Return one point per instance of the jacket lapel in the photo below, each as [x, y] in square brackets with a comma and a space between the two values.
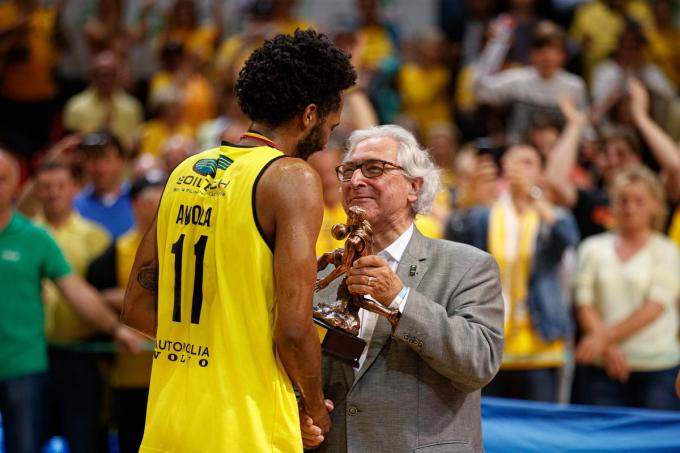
[410, 270]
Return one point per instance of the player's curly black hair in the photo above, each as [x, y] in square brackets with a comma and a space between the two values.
[290, 72]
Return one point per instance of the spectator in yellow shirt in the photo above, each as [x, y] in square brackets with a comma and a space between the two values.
[424, 84]
[27, 61]
[168, 107]
[74, 378]
[181, 71]
[104, 105]
[597, 26]
[182, 26]
[662, 40]
[379, 42]
[283, 17]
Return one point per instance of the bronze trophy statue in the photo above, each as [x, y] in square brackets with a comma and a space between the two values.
[338, 320]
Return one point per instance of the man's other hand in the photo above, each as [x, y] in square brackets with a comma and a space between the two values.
[313, 434]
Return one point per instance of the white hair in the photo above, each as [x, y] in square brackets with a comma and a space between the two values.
[415, 160]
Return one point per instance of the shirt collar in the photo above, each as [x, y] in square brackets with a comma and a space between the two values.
[108, 201]
[396, 249]
[13, 219]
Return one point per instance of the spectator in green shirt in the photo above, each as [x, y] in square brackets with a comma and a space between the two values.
[27, 255]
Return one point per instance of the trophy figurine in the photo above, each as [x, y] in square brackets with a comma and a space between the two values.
[338, 320]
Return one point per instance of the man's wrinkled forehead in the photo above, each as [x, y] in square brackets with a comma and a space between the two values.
[382, 148]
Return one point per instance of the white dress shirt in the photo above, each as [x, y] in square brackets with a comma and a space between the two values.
[367, 319]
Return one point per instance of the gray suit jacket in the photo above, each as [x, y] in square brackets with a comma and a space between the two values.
[418, 390]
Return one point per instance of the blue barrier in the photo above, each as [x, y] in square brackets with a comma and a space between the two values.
[523, 426]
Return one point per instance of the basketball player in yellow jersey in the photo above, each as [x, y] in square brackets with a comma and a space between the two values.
[233, 251]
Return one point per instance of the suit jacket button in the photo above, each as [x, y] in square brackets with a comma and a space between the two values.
[352, 410]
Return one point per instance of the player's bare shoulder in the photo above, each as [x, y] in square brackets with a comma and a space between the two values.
[288, 187]
[291, 178]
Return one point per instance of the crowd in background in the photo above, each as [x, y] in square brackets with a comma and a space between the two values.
[555, 124]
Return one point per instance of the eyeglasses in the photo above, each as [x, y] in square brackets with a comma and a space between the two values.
[371, 168]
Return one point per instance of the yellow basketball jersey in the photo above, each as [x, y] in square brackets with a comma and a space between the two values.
[217, 384]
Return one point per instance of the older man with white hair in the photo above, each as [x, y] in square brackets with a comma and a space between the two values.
[418, 384]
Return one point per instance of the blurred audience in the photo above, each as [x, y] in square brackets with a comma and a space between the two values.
[107, 31]
[610, 77]
[325, 163]
[524, 18]
[442, 143]
[527, 234]
[167, 108]
[662, 39]
[109, 273]
[284, 18]
[106, 197]
[235, 49]
[626, 296]
[183, 26]
[174, 151]
[75, 386]
[531, 90]
[379, 38]
[620, 147]
[181, 71]
[598, 25]
[425, 83]
[358, 111]
[27, 255]
[28, 90]
[229, 125]
[104, 104]
[473, 28]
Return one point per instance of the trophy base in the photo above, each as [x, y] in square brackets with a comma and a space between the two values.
[340, 344]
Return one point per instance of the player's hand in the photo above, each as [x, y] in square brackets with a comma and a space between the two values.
[128, 339]
[312, 435]
[371, 275]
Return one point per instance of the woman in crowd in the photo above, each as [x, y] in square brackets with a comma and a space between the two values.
[626, 295]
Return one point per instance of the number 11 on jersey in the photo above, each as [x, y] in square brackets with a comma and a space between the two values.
[197, 295]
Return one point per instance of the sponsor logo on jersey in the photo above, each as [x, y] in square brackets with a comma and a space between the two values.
[209, 167]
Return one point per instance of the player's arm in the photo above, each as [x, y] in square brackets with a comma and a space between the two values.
[296, 220]
[141, 297]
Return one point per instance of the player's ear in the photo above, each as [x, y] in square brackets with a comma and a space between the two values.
[309, 117]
